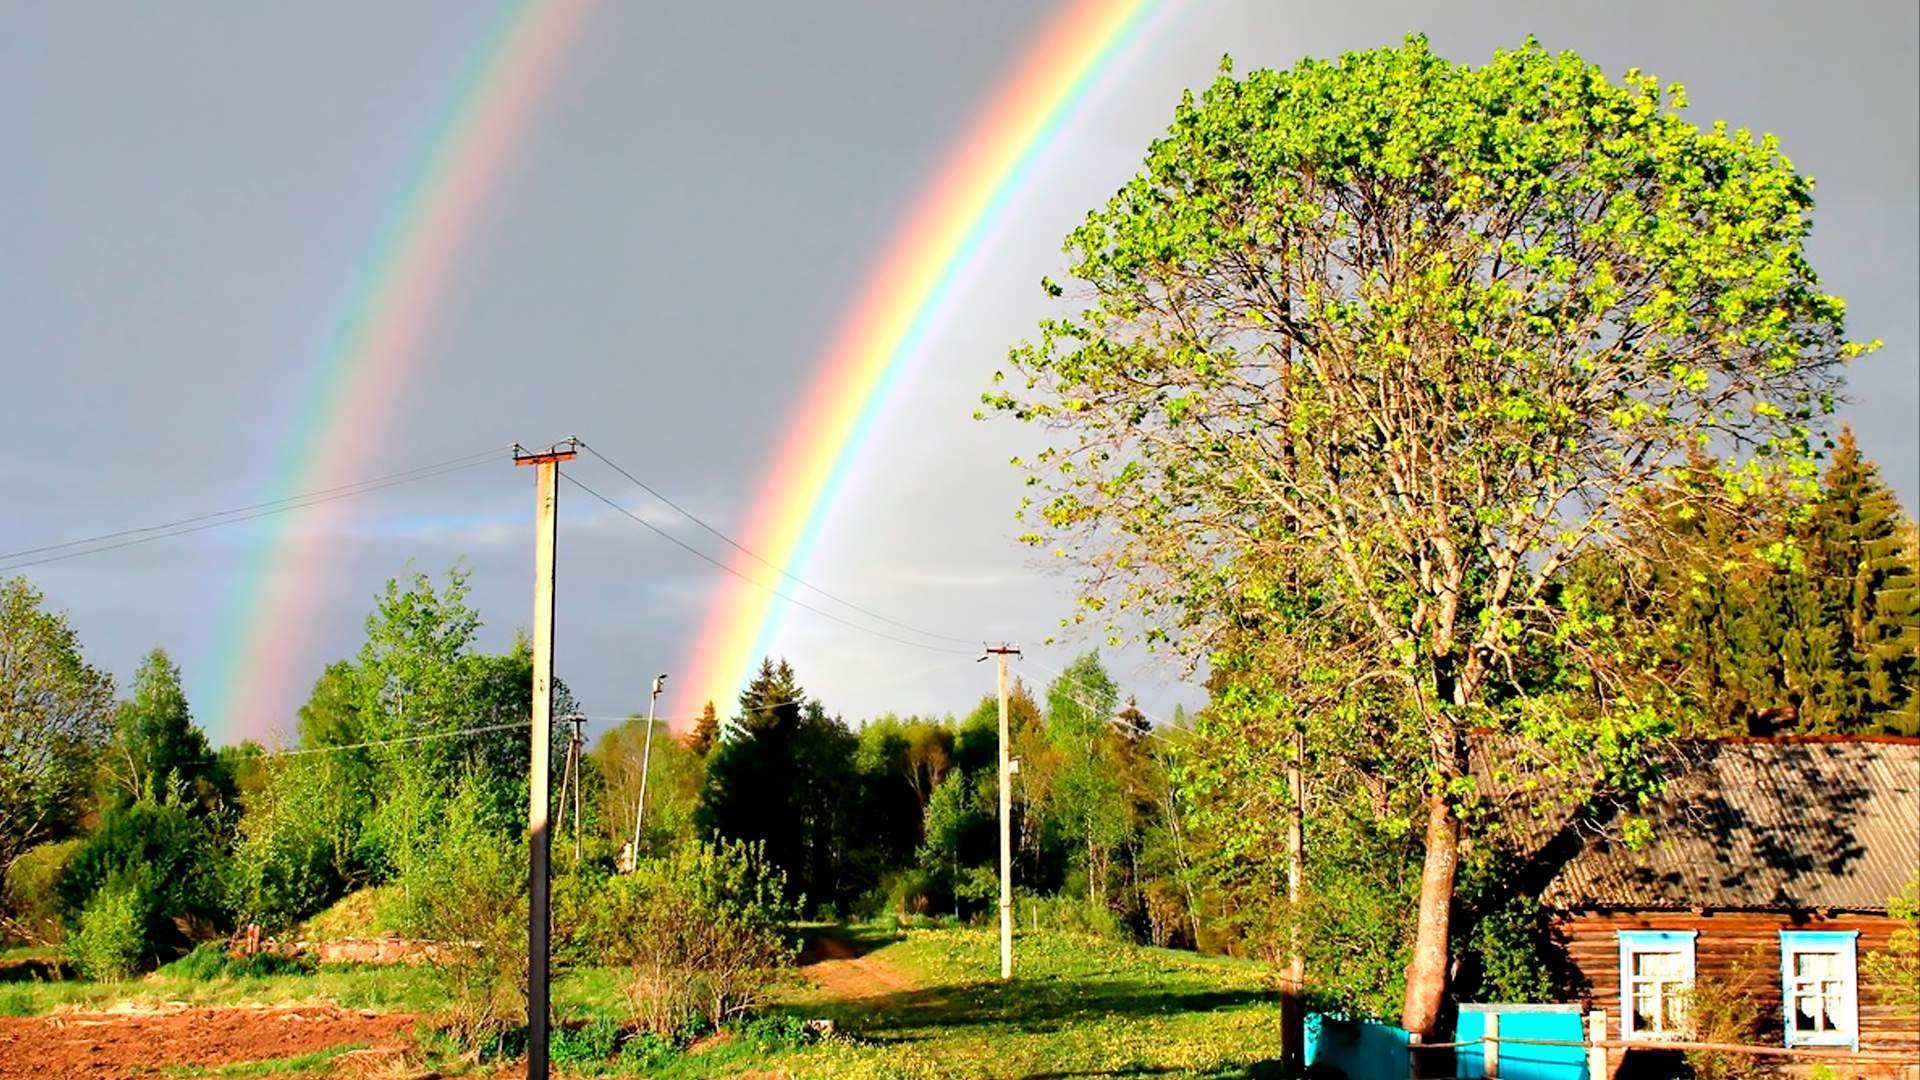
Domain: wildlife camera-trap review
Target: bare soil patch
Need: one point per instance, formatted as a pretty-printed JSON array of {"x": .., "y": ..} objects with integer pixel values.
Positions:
[
  {"x": 836, "y": 967},
  {"x": 127, "y": 1043}
]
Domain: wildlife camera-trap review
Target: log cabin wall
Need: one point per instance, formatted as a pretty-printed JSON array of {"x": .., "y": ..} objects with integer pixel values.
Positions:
[{"x": 1739, "y": 949}]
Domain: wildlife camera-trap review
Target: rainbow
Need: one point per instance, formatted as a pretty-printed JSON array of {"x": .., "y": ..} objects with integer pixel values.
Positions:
[
  {"x": 888, "y": 325},
  {"x": 378, "y": 347}
]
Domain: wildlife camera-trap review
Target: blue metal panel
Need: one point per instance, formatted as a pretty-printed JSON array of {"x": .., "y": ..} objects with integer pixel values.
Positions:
[
  {"x": 1519, "y": 1061},
  {"x": 1362, "y": 1049}
]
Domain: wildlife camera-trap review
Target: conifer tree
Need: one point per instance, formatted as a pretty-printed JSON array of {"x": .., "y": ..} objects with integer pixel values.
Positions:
[{"x": 706, "y": 732}]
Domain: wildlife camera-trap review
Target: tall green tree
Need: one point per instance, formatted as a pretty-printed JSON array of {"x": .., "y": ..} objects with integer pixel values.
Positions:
[
  {"x": 56, "y": 713},
  {"x": 157, "y": 746},
  {"x": 786, "y": 778},
  {"x": 1427, "y": 326}
]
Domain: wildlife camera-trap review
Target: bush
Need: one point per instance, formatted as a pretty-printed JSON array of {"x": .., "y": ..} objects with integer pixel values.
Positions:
[
  {"x": 167, "y": 861},
  {"x": 109, "y": 940},
  {"x": 701, "y": 932},
  {"x": 463, "y": 887},
  {"x": 591, "y": 1043},
  {"x": 30, "y": 907}
]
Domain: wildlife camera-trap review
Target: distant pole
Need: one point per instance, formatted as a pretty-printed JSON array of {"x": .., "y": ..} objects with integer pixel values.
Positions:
[
  {"x": 646, "y": 759},
  {"x": 546, "y": 465},
  {"x": 576, "y": 751},
  {"x": 1000, "y": 653}
]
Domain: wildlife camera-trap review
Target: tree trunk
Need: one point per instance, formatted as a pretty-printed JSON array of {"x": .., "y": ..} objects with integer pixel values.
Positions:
[
  {"x": 1293, "y": 985},
  {"x": 1427, "y": 974}
]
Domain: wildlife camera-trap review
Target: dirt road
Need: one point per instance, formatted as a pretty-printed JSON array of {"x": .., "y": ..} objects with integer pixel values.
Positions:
[{"x": 836, "y": 967}]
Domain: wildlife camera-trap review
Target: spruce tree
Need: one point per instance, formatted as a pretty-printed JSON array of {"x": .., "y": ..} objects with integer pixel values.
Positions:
[
  {"x": 1862, "y": 546},
  {"x": 705, "y": 733}
]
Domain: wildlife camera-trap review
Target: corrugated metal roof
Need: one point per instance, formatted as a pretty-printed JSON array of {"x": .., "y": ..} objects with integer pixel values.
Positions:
[{"x": 1761, "y": 825}]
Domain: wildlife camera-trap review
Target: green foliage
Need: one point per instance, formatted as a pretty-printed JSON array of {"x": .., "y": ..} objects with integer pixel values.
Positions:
[
  {"x": 29, "y": 904},
  {"x": 1793, "y": 612},
  {"x": 55, "y": 715},
  {"x": 463, "y": 886},
  {"x": 1372, "y": 349},
  {"x": 161, "y": 857},
  {"x": 701, "y": 932},
  {"x": 110, "y": 934},
  {"x": 211, "y": 960},
  {"x": 295, "y": 849},
  {"x": 1507, "y": 949},
  {"x": 1895, "y": 970},
  {"x": 157, "y": 747},
  {"x": 788, "y": 779}
]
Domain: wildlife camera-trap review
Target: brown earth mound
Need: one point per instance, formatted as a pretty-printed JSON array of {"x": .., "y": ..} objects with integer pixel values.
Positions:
[{"x": 98, "y": 1046}]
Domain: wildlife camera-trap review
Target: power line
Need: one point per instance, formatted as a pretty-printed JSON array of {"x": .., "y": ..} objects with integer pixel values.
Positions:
[
  {"x": 704, "y": 557},
  {"x": 147, "y": 534},
  {"x": 775, "y": 567}
]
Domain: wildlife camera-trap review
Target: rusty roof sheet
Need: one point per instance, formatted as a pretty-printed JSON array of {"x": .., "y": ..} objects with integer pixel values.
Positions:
[{"x": 1761, "y": 824}]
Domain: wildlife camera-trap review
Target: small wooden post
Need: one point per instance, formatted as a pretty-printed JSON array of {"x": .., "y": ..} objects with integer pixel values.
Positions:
[
  {"x": 1413, "y": 1054},
  {"x": 1491, "y": 1045},
  {"x": 1597, "y": 1068}
]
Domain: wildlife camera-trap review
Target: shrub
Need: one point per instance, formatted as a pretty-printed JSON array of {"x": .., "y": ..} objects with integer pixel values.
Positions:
[
  {"x": 701, "y": 932},
  {"x": 28, "y": 903},
  {"x": 463, "y": 887},
  {"x": 591, "y": 1043},
  {"x": 109, "y": 940},
  {"x": 167, "y": 861},
  {"x": 1731, "y": 1011}
]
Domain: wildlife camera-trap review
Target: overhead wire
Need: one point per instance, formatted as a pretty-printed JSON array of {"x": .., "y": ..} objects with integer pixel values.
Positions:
[
  {"x": 762, "y": 560},
  {"x": 704, "y": 557},
  {"x": 146, "y": 534}
]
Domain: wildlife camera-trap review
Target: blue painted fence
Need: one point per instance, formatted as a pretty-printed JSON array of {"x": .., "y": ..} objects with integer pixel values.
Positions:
[
  {"x": 1361, "y": 1049},
  {"x": 1518, "y": 1061},
  {"x": 1371, "y": 1050}
]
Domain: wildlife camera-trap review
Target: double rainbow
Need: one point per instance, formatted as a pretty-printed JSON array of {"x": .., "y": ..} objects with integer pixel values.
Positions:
[{"x": 380, "y": 344}]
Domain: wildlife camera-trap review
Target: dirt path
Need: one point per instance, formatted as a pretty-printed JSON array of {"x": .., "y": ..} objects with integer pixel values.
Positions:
[
  {"x": 836, "y": 967},
  {"x": 99, "y": 1046}
]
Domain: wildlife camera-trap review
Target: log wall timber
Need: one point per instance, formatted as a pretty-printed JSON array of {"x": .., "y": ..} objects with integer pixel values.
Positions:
[{"x": 1737, "y": 949}]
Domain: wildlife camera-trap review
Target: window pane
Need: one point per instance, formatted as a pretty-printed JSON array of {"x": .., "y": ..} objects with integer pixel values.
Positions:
[
  {"x": 1663, "y": 964},
  {"x": 1816, "y": 965},
  {"x": 1644, "y": 1000}
]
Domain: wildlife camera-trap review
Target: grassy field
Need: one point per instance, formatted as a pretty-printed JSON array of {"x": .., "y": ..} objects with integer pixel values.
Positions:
[{"x": 923, "y": 1003}]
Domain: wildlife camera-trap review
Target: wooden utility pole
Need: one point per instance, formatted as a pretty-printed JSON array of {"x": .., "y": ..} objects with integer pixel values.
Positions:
[
  {"x": 1007, "y": 767},
  {"x": 546, "y": 517}
]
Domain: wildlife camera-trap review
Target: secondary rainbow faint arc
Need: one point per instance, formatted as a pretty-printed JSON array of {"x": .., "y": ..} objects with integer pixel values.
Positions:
[
  {"x": 378, "y": 349},
  {"x": 902, "y": 299}
]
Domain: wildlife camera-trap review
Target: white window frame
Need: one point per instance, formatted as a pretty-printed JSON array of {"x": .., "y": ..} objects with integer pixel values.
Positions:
[
  {"x": 1651, "y": 941},
  {"x": 1845, "y": 945}
]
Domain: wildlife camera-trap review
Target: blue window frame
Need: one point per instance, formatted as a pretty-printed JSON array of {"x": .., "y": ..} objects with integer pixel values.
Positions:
[
  {"x": 1656, "y": 974},
  {"x": 1820, "y": 987}
]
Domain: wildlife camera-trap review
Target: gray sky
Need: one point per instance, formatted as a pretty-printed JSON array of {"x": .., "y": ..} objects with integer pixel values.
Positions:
[{"x": 187, "y": 195}]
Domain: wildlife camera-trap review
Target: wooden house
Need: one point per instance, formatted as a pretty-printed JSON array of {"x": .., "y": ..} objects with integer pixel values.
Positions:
[{"x": 1768, "y": 878}]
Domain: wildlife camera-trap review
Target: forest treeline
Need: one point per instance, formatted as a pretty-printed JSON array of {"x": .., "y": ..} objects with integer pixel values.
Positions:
[{"x": 128, "y": 837}]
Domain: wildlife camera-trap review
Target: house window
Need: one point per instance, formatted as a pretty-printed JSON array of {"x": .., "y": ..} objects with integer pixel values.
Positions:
[
  {"x": 1656, "y": 973},
  {"x": 1820, "y": 987}
]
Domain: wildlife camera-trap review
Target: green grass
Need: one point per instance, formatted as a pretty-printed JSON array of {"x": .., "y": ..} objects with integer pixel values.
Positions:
[{"x": 1079, "y": 1006}]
